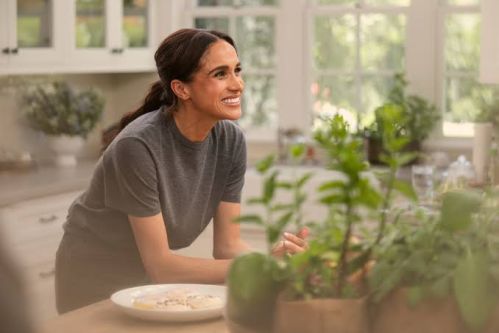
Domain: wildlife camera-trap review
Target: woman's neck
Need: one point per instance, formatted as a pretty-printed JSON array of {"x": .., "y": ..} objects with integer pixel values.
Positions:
[{"x": 192, "y": 126}]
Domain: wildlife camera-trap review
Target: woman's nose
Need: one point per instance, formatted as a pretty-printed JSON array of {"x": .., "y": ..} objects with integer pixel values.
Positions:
[{"x": 236, "y": 83}]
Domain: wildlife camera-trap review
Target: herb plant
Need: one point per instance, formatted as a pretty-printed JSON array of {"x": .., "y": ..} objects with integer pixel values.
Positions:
[{"x": 57, "y": 109}]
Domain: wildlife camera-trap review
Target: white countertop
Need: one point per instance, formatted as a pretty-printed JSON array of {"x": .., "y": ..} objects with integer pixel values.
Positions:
[{"x": 16, "y": 186}]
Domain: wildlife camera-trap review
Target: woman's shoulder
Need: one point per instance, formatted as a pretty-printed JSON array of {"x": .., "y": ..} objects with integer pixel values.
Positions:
[{"x": 230, "y": 129}]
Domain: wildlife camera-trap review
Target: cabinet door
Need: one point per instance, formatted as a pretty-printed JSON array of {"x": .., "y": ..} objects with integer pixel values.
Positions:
[
  {"x": 112, "y": 35},
  {"x": 33, "y": 41},
  {"x": 136, "y": 33},
  {"x": 4, "y": 35}
]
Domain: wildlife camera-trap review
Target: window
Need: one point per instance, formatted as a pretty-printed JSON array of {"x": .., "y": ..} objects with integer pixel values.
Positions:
[
  {"x": 252, "y": 23},
  {"x": 463, "y": 95},
  {"x": 357, "y": 47}
]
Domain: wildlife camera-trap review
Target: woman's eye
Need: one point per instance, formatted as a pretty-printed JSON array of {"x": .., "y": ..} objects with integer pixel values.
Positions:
[
  {"x": 238, "y": 70},
  {"x": 220, "y": 74}
]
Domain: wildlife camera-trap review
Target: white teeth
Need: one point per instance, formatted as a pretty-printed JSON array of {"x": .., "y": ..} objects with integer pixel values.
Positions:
[{"x": 234, "y": 100}]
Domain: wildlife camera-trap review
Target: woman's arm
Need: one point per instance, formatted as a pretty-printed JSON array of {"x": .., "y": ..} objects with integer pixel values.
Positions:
[
  {"x": 227, "y": 242},
  {"x": 162, "y": 265}
]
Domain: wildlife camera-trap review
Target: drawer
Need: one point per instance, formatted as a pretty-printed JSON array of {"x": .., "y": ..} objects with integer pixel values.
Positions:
[
  {"x": 28, "y": 228},
  {"x": 40, "y": 290}
]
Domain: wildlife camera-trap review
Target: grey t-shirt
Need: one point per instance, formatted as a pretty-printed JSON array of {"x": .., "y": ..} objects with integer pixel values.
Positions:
[{"x": 149, "y": 168}]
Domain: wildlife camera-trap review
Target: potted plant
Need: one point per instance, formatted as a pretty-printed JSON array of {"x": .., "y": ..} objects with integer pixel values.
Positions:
[
  {"x": 64, "y": 115},
  {"x": 326, "y": 281},
  {"x": 439, "y": 274},
  {"x": 419, "y": 119}
]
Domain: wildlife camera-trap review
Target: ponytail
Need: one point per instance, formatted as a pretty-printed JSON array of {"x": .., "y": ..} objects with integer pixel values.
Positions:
[{"x": 152, "y": 102}]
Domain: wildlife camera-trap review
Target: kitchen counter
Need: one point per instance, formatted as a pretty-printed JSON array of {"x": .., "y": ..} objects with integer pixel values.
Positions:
[
  {"x": 103, "y": 317},
  {"x": 17, "y": 186}
]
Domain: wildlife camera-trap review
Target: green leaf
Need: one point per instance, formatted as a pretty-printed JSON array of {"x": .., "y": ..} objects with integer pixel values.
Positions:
[
  {"x": 331, "y": 199},
  {"x": 269, "y": 187},
  {"x": 256, "y": 219},
  {"x": 285, "y": 185},
  {"x": 405, "y": 158},
  {"x": 265, "y": 164},
  {"x": 279, "y": 207},
  {"x": 255, "y": 201},
  {"x": 472, "y": 287},
  {"x": 304, "y": 179},
  {"x": 405, "y": 188},
  {"x": 458, "y": 208},
  {"x": 297, "y": 150},
  {"x": 335, "y": 184}
]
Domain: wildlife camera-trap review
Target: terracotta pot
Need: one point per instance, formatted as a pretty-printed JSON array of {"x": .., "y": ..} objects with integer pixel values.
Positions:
[
  {"x": 394, "y": 315},
  {"x": 321, "y": 316},
  {"x": 492, "y": 325}
]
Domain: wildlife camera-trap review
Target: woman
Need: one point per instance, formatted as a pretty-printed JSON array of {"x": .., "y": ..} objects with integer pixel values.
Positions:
[{"x": 178, "y": 162}]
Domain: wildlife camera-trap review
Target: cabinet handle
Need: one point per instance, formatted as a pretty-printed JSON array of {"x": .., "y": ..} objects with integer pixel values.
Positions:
[
  {"x": 117, "y": 51},
  {"x": 49, "y": 219},
  {"x": 47, "y": 274},
  {"x": 6, "y": 50},
  {"x": 14, "y": 51}
]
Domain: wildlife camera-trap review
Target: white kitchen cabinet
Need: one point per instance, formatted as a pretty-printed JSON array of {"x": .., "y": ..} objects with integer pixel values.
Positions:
[
  {"x": 32, "y": 231},
  {"x": 112, "y": 35},
  {"x": 77, "y": 36},
  {"x": 31, "y": 35}
]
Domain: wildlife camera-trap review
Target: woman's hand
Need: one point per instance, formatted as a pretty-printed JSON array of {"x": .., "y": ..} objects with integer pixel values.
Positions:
[{"x": 291, "y": 244}]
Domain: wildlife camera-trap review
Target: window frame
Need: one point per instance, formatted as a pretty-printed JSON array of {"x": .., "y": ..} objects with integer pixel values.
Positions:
[{"x": 358, "y": 10}]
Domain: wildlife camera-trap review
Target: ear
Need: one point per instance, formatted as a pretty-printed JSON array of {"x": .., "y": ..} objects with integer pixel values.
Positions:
[{"x": 180, "y": 89}]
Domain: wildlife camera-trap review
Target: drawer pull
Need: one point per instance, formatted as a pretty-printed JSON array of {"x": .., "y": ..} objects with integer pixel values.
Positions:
[
  {"x": 48, "y": 219},
  {"x": 47, "y": 274}
]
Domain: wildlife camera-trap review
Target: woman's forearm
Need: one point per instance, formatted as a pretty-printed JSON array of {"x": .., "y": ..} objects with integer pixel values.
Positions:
[{"x": 173, "y": 268}]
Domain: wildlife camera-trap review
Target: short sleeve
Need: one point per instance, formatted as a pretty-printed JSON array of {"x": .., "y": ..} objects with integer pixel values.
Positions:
[
  {"x": 235, "y": 181},
  {"x": 130, "y": 178}
]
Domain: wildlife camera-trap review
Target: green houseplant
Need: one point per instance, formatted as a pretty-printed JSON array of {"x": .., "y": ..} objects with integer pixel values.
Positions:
[
  {"x": 419, "y": 119},
  {"x": 65, "y": 115},
  {"x": 323, "y": 278},
  {"x": 440, "y": 274}
]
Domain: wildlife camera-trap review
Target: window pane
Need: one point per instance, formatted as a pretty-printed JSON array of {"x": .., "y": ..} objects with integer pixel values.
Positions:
[
  {"x": 462, "y": 42},
  {"x": 212, "y": 23},
  {"x": 34, "y": 23},
  {"x": 135, "y": 23},
  {"x": 383, "y": 41},
  {"x": 334, "y": 94},
  {"x": 464, "y": 99},
  {"x": 259, "y": 101},
  {"x": 90, "y": 23},
  {"x": 255, "y": 36},
  {"x": 334, "y": 42},
  {"x": 375, "y": 89}
]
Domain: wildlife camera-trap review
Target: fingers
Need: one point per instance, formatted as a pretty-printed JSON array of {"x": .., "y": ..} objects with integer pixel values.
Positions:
[
  {"x": 303, "y": 233},
  {"x": 295, "y": 240},
  {"x": 292, "y": 248}
]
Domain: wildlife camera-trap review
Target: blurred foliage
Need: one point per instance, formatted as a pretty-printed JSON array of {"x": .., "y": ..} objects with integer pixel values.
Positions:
[
  {"x": 417, "y": 116},
  {"x": 57, "y": 109}
]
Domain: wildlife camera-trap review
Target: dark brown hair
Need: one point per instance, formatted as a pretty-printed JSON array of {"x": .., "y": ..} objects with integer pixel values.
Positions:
[{"x": 177, "y": 58}]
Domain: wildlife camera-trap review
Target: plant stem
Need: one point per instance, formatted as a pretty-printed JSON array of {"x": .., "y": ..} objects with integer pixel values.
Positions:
[
  {"x": 386, "y": 205},
  {"x": 344, "y": 249}
]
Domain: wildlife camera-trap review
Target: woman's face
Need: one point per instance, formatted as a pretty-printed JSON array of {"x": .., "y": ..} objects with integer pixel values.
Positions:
[{"x": 217, "y": 86}]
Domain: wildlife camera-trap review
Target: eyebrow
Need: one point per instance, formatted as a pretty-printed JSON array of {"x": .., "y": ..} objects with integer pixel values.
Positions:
[{"x": 222, "y": 67}]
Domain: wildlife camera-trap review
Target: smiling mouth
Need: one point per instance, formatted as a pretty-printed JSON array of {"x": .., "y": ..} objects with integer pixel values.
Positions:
[{"x": 232, "y": 101}]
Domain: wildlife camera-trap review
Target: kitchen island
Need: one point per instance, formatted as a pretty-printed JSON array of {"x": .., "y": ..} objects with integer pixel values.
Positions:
[{"x": 104, "y": 317}]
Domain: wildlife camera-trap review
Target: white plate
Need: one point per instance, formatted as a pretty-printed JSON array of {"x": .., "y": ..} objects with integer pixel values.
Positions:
[{"x": 124, "y": 300}]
